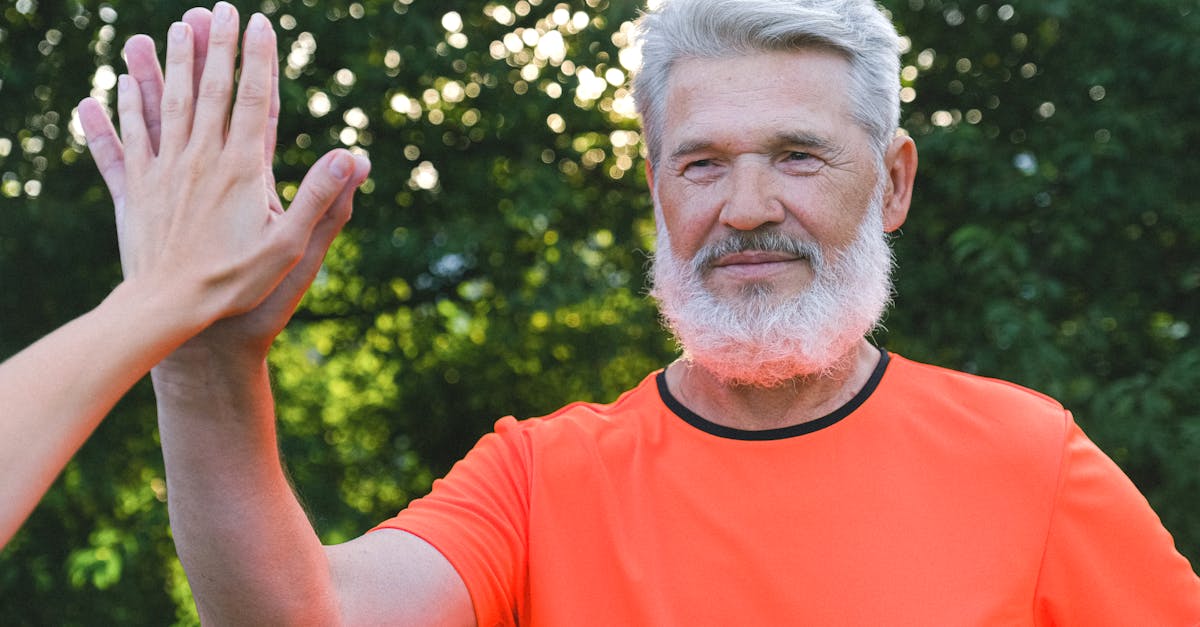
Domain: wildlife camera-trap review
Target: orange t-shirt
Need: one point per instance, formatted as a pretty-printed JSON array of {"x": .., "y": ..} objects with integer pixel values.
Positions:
[{"x": 932, "y": 498}]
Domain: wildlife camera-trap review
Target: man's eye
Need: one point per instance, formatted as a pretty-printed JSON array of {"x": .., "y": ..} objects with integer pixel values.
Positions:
[
  {"x": 798, "y": 162},
  {"x": 700, "y": 170}
]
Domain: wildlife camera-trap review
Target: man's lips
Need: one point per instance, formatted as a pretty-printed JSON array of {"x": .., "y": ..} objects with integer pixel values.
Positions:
[
  {"x": 754, "y": 257},
  {"x": 755, "y": 265}
]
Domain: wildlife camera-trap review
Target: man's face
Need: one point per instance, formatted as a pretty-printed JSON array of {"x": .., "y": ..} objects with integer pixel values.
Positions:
[
  {"x": 760, "y": 143},
  {"x": 772, "y": 261}
]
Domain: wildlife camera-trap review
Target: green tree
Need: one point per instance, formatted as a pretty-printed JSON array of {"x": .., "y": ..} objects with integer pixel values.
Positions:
[{"x": 495, "y": 262}]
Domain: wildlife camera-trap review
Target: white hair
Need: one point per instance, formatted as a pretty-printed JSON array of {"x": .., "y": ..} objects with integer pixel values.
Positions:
[
  {"x": 856, "y": 29},
  {"x": 754, "y": 340}
]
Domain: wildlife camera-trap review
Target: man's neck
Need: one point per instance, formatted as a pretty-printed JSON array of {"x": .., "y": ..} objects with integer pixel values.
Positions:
[{"x": 797, "y": 401}]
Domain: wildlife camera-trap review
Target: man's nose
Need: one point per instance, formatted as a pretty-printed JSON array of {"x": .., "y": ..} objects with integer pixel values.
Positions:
[{"x": 751, "y": 198}]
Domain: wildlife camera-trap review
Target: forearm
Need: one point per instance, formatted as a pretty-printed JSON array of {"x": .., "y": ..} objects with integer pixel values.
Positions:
[
  {"x": 250, "y": 553},
  {"x": 55, "y": 392}
]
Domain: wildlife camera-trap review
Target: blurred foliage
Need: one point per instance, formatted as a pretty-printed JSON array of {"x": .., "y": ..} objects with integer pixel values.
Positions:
[{"x": 495, "y": 261}]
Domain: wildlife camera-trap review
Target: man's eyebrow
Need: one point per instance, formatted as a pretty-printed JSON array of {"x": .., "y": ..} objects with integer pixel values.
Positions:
[
  {"x": 806, "y": 140},
  {"x": 692, "y": 147},
  {"x": 803, "y": 139}
]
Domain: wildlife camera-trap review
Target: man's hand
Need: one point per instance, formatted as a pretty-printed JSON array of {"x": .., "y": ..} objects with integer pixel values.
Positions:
[{"x": 196, "y": 206}]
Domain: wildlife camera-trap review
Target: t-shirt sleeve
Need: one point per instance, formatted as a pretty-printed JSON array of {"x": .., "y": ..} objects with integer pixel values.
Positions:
[
  {"x": 477, "y": 517},
  {"x": 1108, "y": 559}
]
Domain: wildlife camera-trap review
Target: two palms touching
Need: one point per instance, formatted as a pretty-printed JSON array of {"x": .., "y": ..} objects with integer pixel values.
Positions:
[{"x": 191, "y": 181}]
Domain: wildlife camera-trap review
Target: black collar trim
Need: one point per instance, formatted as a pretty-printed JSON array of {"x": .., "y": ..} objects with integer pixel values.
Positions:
[{"x": 694, "y": 419}]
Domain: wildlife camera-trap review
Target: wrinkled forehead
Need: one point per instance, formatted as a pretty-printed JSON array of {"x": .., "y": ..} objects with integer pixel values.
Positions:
[
  {"x": 784, "y": 87},
  {"x": 696, "y": 70}
]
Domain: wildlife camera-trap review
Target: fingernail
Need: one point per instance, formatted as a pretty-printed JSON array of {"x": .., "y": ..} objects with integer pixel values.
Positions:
[
  {"x": 258, "y": 23},
  {"x": 177, "y": 32},
  {"x": 362, "y": 164},
  {"x": 223, "y": 12},
  {"x": 341, "y": 165},
  {"x": 123, "y": 83}
]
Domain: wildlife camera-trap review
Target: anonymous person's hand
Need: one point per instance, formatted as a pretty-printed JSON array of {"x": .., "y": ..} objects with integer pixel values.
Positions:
[{"x": 192, "y": 183}]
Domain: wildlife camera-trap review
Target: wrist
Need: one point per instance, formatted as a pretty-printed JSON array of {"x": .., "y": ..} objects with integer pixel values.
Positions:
[
  {"x": 204, "y": 364},
  {"x": 161, "y": 319},
  {"x": 173, "y": 305}
]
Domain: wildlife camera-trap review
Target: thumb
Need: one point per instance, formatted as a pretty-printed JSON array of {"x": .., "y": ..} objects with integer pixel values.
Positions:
[
  {"x": 328, "y": 226},
  {"x": 322, "y": 185},
  {"x": 340, "y": 209}
]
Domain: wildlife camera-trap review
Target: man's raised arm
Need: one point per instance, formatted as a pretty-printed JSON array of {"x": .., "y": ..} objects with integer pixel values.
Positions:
[
  {"x": 194, "y": 265},
  {"x": 249, "y": 551}
]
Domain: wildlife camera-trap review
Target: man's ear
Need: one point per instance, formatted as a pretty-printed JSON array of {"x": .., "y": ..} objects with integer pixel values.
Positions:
[{"x": 900, "y": 168}]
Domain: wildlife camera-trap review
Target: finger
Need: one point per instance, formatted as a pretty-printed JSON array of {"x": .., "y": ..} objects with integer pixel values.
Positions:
[
  {"x": 314, "y": 243},
  {"x": 200, "y": 19},
  {"x": 321, "y": 186},
  {"x": 134, "y": 137},
  {"x": 177, "y": 105},
  {"x": 341, "y": 208},
  {"x": 248, "y": 124},
  {"x": 326, "y": 230},
  {"x": 105, "y": 147},
  {"x": 272, "y": 135},
  {"x": 216, "y": 84},
  {"x": 142, "y": 60}
]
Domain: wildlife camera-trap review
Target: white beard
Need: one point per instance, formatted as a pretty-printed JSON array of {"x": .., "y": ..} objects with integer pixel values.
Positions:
[{"x": 750, "y": 340}]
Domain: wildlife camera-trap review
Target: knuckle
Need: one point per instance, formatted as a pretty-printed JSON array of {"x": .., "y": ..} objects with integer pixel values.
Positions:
[
  {"x": 214, "y": 90},
  {"x": 104, "y": 143},
  {"x": 253, "y": 94},
  {"x": 174, "y": 106},
  {"x": 177, "y": 55},
  {"x": 324, "y": 188},
  {"x": 131, "y": 134},
  {"x": 128, "y": 104},
  {"x": 222, "y": 38}
]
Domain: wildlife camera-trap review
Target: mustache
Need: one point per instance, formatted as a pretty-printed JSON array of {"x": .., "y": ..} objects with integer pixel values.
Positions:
[{"x": 761, "y": 240}]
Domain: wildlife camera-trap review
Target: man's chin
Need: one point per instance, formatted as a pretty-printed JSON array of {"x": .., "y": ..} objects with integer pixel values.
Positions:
[
  {"x": 762, "y": 293},
  {"x": 747, "y": 369}
]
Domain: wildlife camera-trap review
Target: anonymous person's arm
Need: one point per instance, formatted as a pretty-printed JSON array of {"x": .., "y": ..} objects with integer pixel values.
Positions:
[
  {"x": 205, "y": 263},
  {"x": 250, "y": 553},
  {"x": 54, "y": 393}
]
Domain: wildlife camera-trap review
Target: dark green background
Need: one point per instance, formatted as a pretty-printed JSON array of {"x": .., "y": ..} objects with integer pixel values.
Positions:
[{"x": 1053, "y": 241}]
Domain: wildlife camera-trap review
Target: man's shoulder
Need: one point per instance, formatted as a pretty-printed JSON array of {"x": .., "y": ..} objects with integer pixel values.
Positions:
[
  {"x": 640, "y": 400},
  {"x": 995, "y": 422},
  {"x": 969, "y": 399},
  {"x": 925, "y": 378}
]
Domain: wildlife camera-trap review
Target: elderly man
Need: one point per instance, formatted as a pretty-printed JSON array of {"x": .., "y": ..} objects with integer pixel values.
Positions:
[{"x": 783, "y": 471}]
